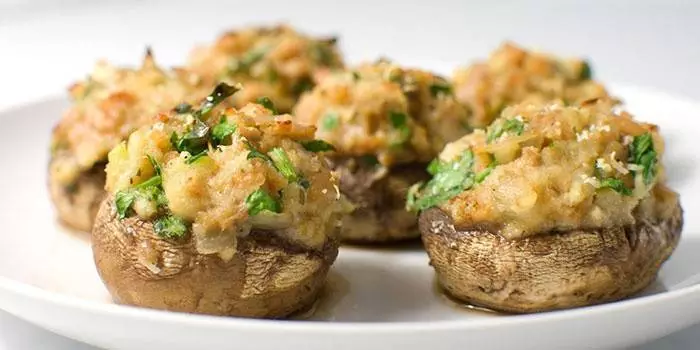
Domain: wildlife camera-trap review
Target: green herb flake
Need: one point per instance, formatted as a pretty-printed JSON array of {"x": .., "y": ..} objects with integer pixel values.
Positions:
[
  {"x": 247, "y": 60},
  {"x": 170, "y": 227},
  {"x": 152, "y": 182},
  {"x": 183, "y": 108},
  {"x": 272, "y": 75},
  {"x": 150, "y": 190},
  {"x": 317, "y": 146},
  {"x": 449, "y": 180},
  {"x": 154, "y": 163},
  {"x": 302, "y": 86},
  {"x": 193, "y": 142},
  {"x": 330, "y": 121},
  {"x": 283, "y": 164},
  {"x": 356, "y": 76},
  {"x": 267, "y": 103},
  {"x": 195, "y": 157},
  {"x": 441, "y": 88},
  {"x": 399, "y": 121},
  {"x": 434, "y": 166},
  {"x": 642, "y": 153},
  {"x": 513, "y": 125},
  {"x": 412, "y": 195},
  {"x": 322, "y": 53},
  {"x": 586, "y": 71},
  {"x": 123, "y": 201},
  {"x": 616, "y": 185},
  {"x": 369, "y": 160},
  {"x": 260, "y": 200},
  {"x": 221, "y": 131},
  {"x": 254, "y": 153},
  {"x": 482, "y": 175},
  {"x": 221, "y": 92}
]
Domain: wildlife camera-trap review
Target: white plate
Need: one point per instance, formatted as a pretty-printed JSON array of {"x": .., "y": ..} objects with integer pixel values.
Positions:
[{"x": 377, "y": 298}]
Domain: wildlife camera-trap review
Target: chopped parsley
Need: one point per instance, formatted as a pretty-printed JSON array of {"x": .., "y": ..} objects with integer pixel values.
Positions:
[
  {"x": 151, "y": 190},
  {"x": 317, "y": 146},
  {"x": 195, "y": 157},
  {"x": 183, "y": 108},
  {"x": 642, "y": 153},
  {"x": 220, "y": 93},
  {"x": 156, "y": 167},
  {"x": 330, "y": 121},
  {"x": 441, "y": 88},
  {"x": 586, "y": 71},
  {"x": 267, "y": 103},
  {"x": 124, "y": 200},
  {"x": 449, "y": 180},
  {"x": 399, "y": 121},
  {"x": 272, "y": 75},
  {"x": 369, "y": 160},
  {"x": 302, "y": 86},
  {"x": 616, "y": 185},
  {"x": 284, "y": 165},
  {"x": 510, "y": 125},
  {"x": 260, "y": 200},
  {"x": 481, "y": 176},
  {"x": 247, "y": 60},
  {"x": 221, "y": 131},
  {"x": 193, "y": 142},
  {"x": 170, "y": 226},
  {"x": 356, "y": 76},
  {"x": 434, "y": 166},
  {"x": 322, "y": 53},
  {"x": 254, "y": 153}
]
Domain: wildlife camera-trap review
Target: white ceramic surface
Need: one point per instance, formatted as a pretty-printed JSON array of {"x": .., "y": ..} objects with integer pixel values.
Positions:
[
  {"x": 377, "y": 298},
  {"x": 46, "y": 44}
]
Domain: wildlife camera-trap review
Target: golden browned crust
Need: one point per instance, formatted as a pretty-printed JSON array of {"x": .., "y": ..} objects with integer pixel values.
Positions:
[
  {"x": 547, "y": 272},
  {"x": 379, "y": 197},
  {"x": 266, "y": 278},
  {"x": 77, "y": 204}
]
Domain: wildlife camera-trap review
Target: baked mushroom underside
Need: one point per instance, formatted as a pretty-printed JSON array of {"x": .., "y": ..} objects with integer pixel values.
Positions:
[
  {"x": 547, "y": 272},
  {"x": 267, "y": 277},
  {"x": 379, "y": 199},
  {"x": 77, "y": 204}
]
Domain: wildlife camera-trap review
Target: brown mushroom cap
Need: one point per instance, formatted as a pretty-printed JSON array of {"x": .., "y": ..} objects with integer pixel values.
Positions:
[
  {"x": 379, "y": 197},
  {"x": 77, "y": 205},
  {"x": 268, "y": 277},
  {"x": 547, "y": 272}
]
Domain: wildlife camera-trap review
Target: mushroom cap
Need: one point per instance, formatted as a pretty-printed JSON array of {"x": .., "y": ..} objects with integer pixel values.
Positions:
[
  {"x": 268, "y": 277},
  {"x": 77, "y": 205},
  {"x": 379, "y": 199},
  {"x": 547, "y": 272}
]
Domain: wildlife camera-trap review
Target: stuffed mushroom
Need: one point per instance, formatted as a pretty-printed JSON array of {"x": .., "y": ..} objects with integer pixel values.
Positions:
[
  {"x": 385, "y": 123},
  {"x": 277, "y": 62},
  {"x": 551, "y": 207},
  {"x": 106, "y": 107},
  {"x": 230, "y": 213},
  {"x": 513, "y": 75}
]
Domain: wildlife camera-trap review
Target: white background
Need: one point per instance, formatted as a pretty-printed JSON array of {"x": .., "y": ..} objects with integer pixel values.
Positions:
[{"x": 45, "y": 45}]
